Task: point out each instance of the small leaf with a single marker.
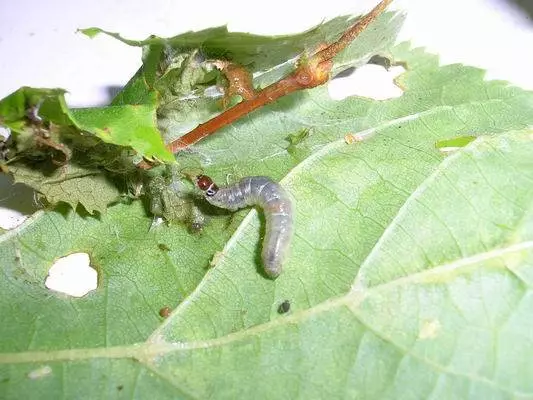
(295, 139)
(49, 103)
(130, 125)
(134, 126)
(90, 32)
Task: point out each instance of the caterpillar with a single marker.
(272, 198)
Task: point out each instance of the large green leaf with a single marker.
(435, 302)
(408, 275)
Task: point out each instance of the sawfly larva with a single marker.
(272, 198)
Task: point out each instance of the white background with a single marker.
(39, 45)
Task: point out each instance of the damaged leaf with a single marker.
(194, 98)
(35, 104)
(67, 155)
(132, 126)
(70, 184)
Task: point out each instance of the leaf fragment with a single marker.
(70, 184)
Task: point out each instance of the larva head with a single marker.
(206, 185)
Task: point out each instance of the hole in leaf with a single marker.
(371, 81)
(10, 219)
(72, 275)
(5, 133)
(40, 372)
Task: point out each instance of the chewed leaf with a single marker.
(70, 184)
(444, 319)
(466, 105)
(48, 104)
(153, 267)
(134, 126)
(184, 102)
(264, 52)
(127, 125)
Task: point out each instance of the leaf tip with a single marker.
(90, 32)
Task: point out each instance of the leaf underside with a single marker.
(407, 265)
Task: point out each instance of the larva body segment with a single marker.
(272, 198)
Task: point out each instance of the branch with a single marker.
(310, 73)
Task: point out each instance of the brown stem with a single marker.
(347, 37)
(310, 73)
(239, 80)
(301, 78)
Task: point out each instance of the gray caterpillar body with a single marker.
(272, 198)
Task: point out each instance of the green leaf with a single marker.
(260, 52)
(136, 277)
(50, 103)
(450, 307)
(71, 184)
(184, 101)
(407, 265)
(129, 125)
(295, 140)
(90, 32)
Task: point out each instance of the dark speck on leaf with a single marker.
(163, 247)
(120, 387)
(165, 312)
(284, 307)
(196, 227)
